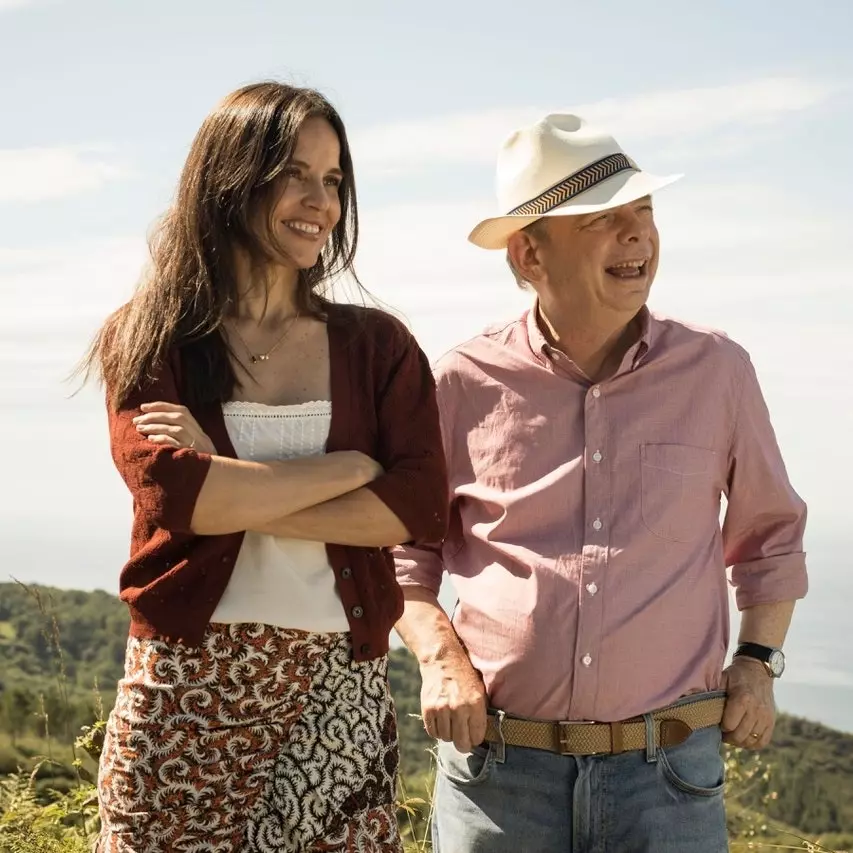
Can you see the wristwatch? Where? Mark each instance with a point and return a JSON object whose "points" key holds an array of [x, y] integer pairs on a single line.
{"points": [[773, 659]]}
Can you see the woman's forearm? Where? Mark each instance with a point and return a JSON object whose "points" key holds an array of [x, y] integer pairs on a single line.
{"points": [[240, 495], [358, 518]]}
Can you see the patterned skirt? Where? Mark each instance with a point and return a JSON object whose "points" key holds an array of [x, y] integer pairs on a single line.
{"points": [[261, 740]]}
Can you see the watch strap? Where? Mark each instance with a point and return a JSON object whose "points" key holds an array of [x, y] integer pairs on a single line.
{"points": [[754, 650]]}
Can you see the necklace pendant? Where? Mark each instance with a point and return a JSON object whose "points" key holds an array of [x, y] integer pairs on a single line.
{"points": [[256, 359]]}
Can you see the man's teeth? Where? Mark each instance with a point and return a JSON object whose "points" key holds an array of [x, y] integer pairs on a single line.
{"points": [[305, 227], [628, 265]]}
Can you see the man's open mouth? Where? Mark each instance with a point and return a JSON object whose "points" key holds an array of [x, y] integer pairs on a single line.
{"points": [[629, 269]]}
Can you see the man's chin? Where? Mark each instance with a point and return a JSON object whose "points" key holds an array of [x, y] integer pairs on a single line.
{"points": [[631, 301]]}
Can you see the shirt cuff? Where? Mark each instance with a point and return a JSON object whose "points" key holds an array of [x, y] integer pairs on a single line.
{"points": [[418, 567], [782, 578], [170, 487]]}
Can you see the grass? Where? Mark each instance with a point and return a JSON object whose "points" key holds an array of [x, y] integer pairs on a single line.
{"points": [[24, 749]]}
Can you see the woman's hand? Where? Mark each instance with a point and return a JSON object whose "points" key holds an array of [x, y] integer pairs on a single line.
{"points": [[173, 426]]}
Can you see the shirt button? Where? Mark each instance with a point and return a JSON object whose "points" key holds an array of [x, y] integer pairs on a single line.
{"points": [[591, 588], [586, 660], [597, 525], [596, 391], [346, 573], [357, 612], [597, 457]]}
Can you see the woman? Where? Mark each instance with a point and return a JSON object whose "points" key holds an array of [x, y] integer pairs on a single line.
{"points": [[275, 444]]}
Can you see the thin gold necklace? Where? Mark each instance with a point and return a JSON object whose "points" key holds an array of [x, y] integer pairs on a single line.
{"points": [[265, 356]]}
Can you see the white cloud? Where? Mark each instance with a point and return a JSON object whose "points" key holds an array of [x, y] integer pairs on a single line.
{"points": [[57, 296], [690, 112], [13, 258], [759, 225], [36, 174], [14, 4], [474, 137]]}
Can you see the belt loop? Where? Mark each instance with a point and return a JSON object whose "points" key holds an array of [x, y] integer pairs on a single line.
{"points": [[617, 739], [651, 739], [499, 746]]}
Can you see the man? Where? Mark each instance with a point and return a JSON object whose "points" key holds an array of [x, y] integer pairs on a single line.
{"points": [[589, 443]]}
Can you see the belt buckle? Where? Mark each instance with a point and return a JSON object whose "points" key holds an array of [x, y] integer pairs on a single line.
{"points": [[563, 728]]}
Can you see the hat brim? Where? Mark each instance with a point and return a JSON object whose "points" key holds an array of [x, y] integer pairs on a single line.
{"points": [[620, 189]]}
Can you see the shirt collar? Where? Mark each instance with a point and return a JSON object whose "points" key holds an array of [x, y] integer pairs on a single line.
{"points": [[542, 349], [647, 331], [535, 338]]}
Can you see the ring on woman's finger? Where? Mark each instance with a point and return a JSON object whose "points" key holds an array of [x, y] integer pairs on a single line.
{"points": [[192, 443], [755, 735]]}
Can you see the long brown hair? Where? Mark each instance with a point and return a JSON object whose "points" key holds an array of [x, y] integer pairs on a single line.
{"points": [[242, 147]]}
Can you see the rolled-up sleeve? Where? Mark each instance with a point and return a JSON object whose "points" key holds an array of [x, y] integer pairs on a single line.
{"points": [[419, 566], [414, 485], [164, 481], [765, 518]]}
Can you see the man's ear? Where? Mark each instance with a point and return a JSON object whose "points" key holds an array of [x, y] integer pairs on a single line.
{"points": [[522, 255]]}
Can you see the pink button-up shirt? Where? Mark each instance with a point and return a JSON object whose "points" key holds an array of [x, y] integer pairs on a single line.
{"points": [[585, 542]]}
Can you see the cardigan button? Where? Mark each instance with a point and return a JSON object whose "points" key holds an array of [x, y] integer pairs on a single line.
{"points": [[346, 573], [357, 612], [365, 648]]}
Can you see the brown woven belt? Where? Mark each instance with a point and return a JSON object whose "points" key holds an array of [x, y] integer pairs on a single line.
{"points": [[672, 725]]}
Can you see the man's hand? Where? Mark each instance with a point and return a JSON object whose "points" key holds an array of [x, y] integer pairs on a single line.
{"points": [[750, 712], [453, 702]]}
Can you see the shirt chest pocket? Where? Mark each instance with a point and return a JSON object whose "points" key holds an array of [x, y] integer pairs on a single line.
{"points": [[677, 490]]}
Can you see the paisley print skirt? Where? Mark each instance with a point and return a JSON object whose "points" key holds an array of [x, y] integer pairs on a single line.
{"points": [[262, 739]]}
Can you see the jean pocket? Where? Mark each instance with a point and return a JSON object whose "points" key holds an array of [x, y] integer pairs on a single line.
{"points": [[696, 766], [677, 499], [464, 769]]}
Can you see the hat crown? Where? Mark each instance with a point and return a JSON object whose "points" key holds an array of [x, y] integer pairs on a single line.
{"points": [[535, 158]]}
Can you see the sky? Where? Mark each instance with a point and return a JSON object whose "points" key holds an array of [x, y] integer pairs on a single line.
{"points": [[753, 102]]}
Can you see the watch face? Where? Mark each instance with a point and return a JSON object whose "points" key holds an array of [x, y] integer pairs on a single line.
{"points": [[776, 662]]}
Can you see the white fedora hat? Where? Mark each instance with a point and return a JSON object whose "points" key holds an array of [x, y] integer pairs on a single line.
{"points": [[561, 166]]}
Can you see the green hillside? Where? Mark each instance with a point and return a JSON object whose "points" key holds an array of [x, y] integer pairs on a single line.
{"points": [[61, 653]]}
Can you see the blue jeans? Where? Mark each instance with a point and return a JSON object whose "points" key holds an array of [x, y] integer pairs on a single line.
{"points": [[531, 801]]}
